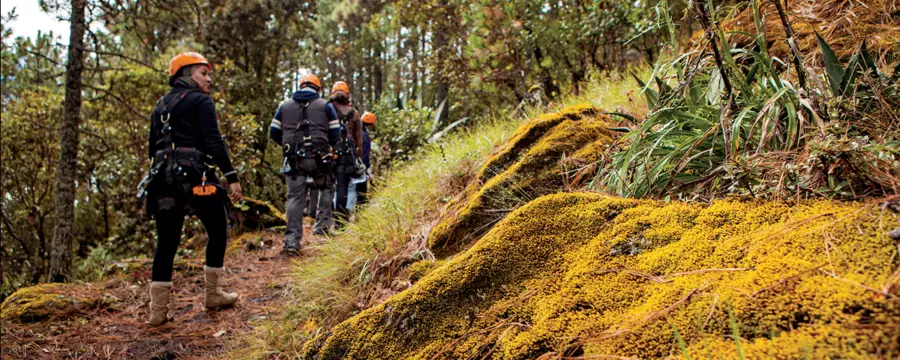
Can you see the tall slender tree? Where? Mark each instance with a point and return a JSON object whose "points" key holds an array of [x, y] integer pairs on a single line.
{"points": [[61, 251]]}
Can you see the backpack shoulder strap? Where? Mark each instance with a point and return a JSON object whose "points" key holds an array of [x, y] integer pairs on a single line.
{"points": [[165, 107]]}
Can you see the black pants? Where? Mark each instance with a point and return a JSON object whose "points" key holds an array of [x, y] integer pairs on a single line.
{"points": [[341, 213], [169, 223]]}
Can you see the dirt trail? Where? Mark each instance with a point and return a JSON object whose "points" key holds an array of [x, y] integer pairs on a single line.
{"points": [[259, 275]]}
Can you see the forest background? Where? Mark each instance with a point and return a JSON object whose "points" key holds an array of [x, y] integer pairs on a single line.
{"points": [[422, 66]]}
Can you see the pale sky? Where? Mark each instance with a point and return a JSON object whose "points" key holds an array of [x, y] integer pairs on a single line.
{"points": [[31, 19]]}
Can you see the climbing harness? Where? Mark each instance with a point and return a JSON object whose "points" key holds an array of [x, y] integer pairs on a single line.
{"points": [[186, 169], [296, 151], [348, 162]]}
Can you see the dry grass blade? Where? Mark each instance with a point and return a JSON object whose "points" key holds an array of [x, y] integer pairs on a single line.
{"points": [[655, 315], [787, 279], [633, 272], [869, 288], [701, 271]]}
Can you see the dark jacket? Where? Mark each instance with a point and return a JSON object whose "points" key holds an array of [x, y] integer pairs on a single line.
{"points": [[195, 125], [353, 129], [334, 128], [367, 147]]}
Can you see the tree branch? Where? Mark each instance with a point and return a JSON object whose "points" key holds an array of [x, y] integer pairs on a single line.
{"points": [[119, 99], [123, 56], [13, 234]]}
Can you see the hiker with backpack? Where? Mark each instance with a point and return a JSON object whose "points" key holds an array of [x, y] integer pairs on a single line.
{"points": [[185, 146], [307, 128], [349, 149]]}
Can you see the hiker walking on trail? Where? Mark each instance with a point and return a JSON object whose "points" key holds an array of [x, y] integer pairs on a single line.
{"points": [[348, 148], [307, 128], [359, 186], [185, 146]]}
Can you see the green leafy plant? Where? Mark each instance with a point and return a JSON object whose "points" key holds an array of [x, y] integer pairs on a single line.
{"points": [[737, 120]]}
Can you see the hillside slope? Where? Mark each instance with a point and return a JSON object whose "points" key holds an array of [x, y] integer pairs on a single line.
{"points": [[571, 274], [588, 274], [534, 162]]}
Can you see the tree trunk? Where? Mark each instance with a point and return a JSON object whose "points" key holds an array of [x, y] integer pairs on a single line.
{"points": [[398, 70], [379, 76], [369, 70], [443, 87], [61, 250], [414, 91], [550, 89]]}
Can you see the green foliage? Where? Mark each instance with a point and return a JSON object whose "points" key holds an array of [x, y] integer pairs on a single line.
{"points": [[401, 58], [92, 267], [768, 136], [399, 134], [735, 333], [28, 157], [124, 77]]}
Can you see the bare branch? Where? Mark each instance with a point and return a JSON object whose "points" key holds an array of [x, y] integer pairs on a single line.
{"points": [[119, 99], [126, 57]]}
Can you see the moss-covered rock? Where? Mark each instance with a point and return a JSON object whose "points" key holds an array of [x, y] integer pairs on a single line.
{"points": [[526, 136], [255, 215], [419, 269], [44, 301], [801, 280], [530, 164], [251, 241]]}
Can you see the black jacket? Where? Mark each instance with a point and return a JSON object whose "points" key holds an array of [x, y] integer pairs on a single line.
{"points": [[194, 124]]}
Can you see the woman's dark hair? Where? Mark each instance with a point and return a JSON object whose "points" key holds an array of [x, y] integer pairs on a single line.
{"points": [[341, 97]]}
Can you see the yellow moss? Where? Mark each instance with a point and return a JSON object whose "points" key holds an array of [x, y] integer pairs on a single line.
{"points": [[526, 135], [442, 304], [809, 342], [255, 215], [272, 210], [538, 171], [420, 269], [40, 302], [598, 275]]}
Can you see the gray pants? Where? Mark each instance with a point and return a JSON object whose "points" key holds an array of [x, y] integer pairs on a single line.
{"points": [[297, 199], [313, 202]]}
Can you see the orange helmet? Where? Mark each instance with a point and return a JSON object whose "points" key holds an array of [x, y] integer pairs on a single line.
{"points": [[368, 118], [185, 59], [340, 86], [311, 80]]}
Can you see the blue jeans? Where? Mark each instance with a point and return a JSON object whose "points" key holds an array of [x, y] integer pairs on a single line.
{"points": [[352, 194]]}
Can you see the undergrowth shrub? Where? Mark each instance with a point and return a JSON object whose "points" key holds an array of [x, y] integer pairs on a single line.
{"points": [[728, 120], [399, 133]]}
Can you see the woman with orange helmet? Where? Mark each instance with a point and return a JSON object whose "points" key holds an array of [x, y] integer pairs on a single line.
{"points": [[185, 146]]}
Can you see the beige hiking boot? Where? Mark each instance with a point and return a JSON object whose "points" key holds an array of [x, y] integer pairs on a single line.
{"points": [[215, 297], [159, 302]]}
